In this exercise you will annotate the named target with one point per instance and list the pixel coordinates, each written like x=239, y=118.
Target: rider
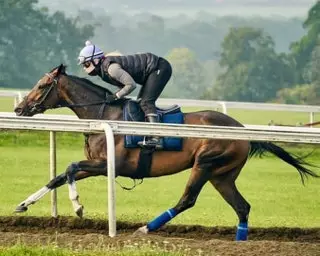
x=148, y=70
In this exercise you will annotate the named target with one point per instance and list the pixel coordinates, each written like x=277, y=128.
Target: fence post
x=311, y=118
x=20, y=97
x=15, y=101
x=111, y=179
x=224, y=107
x=53, y=173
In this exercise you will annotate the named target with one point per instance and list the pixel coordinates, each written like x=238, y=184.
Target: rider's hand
x=111, y=98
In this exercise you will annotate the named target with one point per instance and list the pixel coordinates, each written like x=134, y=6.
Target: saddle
x=133, y=112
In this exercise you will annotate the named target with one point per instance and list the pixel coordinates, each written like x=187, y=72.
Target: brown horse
x=214, y=160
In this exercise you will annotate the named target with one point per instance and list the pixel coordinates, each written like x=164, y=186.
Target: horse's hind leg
x=198, y=178
x=228, y=190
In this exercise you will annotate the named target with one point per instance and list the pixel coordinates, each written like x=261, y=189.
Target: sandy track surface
x=75, y=233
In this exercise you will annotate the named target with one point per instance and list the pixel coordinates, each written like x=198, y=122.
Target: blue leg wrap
x=161, y=219
x=242, y=232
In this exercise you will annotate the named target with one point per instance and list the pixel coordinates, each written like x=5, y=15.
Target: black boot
x=154, y=141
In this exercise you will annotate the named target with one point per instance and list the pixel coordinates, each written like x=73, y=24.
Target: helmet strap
x=92, y=54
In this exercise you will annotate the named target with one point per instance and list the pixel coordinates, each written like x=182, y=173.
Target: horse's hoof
x=21, y=208
x=79, y=212
x=141, y=231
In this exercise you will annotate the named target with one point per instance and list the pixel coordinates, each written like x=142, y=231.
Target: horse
x=216, y=161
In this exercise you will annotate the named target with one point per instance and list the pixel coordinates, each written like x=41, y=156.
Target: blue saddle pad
x=133, y=112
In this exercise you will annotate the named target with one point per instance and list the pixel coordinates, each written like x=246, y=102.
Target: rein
x=79, y=105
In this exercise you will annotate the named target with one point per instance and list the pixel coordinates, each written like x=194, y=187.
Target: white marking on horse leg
x=142, y=231
x=73, y=195
x=35, y=196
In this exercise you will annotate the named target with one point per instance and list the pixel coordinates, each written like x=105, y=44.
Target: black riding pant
x=154, y=85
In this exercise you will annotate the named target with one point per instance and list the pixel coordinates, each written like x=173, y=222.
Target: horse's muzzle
x=18, y=111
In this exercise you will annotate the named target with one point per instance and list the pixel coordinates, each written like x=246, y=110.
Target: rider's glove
x=111, y=98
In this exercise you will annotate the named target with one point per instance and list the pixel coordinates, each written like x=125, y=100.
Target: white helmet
x=89, y=53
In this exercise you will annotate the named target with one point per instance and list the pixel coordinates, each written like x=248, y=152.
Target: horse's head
x=44, y=95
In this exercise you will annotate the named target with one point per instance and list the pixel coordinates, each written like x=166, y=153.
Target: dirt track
x=194, y=240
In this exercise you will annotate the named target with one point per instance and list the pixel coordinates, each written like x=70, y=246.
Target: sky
x=265, y=8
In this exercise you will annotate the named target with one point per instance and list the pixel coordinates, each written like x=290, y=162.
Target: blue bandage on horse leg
x=161, y=219
x=242, y=232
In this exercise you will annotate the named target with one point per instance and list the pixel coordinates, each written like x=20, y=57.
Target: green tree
x=302, y=49
x=253, y=71
x=32, y=42
x=306, y=53
x=187, y=80
x=315, y=65
x=306, y=93
x=300, y=94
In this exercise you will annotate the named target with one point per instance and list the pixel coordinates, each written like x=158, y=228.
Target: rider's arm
x=117, y=73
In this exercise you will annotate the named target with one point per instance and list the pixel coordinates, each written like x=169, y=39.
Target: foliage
x=32, y=42
x=302, y=50
x=307, y=93
x=314, y=65
x=300, y=94
x=252, y=65
x=253, y=70
x=188, y=74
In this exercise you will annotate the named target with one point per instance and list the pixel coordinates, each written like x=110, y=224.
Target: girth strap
x=144, y=163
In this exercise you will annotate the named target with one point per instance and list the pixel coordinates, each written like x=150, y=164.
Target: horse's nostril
x=18, y=111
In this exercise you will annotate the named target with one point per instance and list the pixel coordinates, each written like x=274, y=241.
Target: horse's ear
x=61, y=69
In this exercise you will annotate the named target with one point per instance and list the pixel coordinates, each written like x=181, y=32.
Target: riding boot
x=153, y=141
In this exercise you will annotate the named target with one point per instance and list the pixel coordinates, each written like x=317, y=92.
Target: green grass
x=6, y=104
x=51, y=250
x=272, y=188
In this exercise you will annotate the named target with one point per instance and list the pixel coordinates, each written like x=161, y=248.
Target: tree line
x=227, y=58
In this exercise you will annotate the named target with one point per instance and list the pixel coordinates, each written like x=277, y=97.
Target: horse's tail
x=259, y=148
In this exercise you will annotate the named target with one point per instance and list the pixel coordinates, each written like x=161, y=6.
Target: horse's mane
x=83, y=81
x=87, y=83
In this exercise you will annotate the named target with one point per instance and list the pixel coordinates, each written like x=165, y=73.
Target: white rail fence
x=53, y=125
x=223, y=105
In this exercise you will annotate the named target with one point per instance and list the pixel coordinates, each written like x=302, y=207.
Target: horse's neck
x=77, y=95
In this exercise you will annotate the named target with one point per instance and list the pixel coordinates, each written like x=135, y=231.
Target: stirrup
x=151, y=143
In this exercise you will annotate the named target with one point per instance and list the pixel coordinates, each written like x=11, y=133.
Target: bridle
x=55, y=80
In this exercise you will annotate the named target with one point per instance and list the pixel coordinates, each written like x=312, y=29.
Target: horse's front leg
x=75, y=171
x=54, y=183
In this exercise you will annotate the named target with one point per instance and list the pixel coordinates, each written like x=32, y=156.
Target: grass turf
x=129, y=249
x=273, y=189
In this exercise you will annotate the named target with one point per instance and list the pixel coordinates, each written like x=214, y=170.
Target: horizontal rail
x=249, y=132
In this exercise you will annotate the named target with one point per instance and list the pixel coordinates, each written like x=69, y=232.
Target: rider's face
x=86, y=64
x=88, y=67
